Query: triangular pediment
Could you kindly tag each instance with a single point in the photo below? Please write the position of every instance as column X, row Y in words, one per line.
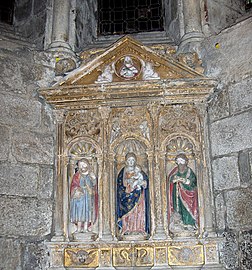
column 127, row 60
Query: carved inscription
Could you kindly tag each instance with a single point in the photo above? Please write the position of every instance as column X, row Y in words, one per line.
column 122, row 256
column 144, row 256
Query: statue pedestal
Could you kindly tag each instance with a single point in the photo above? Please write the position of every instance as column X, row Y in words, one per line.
column 84, row 236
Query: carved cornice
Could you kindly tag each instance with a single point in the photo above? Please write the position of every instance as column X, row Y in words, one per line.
column 129, row 93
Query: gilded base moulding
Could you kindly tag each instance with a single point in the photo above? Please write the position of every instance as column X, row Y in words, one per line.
column 128, row 255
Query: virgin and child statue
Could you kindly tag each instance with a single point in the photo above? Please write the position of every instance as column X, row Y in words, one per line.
column 132, row 211
column 183, row 197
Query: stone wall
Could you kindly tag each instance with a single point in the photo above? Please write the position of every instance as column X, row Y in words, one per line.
column 26, row 157
column 227, row 57
column 86, row 23
column 221, row 14
column 27, row 140
column 30, row 20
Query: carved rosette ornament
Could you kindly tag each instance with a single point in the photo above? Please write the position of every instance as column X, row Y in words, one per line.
column 131, row 137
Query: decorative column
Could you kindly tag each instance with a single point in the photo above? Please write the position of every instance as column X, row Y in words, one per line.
column 207, row 188
column 58, row 218
column 107, row 197
column 60, row 26
column 164, row 191
column 192, row 26
column 65, row 59
column 159, row 225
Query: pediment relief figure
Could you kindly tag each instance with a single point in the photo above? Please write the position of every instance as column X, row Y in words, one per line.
column 128, row 67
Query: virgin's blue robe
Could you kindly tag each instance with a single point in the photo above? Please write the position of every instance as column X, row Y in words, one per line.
column 127, row 201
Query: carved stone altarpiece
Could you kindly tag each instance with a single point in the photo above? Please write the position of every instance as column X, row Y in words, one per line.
column 133, row 191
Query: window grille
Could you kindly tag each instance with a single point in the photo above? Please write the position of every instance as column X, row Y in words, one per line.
column 129, row 16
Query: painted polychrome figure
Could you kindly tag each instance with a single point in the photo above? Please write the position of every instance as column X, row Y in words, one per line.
column 183, row 197
column 83, row 197
column 132, row 213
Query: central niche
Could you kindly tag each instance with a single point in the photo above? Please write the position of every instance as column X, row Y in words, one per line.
column 132, row 191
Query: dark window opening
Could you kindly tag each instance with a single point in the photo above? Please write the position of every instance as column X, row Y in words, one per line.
column 6, row 11
column 129, row 16
column 248, row 4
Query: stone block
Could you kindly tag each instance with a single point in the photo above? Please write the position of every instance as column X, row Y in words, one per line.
column 230, row 61
column 31, row 147
column 245, row 169
column 44, row 67
column 250, row 162
column 219, row 106
column 38, row 30
column 16, row 179
column 220, row 212
column 38, row 6
column 246, row 250
column 23, row 10
column 225, row 173
column 222, row 14
column 25, row 216
column 231, row 134
column 47, row 122
column 10, row 254
column 5, row 142
column 229, row 256
column 16, row 73
column 239, row 208
column 35, row 256
column 240, row 95
column 46, row 182
column 19, row 112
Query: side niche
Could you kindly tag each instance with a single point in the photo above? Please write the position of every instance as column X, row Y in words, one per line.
column 83, row 175
column 182, row 186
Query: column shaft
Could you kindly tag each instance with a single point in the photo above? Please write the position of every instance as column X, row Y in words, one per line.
column 192, row 26
column 192, row 16
column 60, row 27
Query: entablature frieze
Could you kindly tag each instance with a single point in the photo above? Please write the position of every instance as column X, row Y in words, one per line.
column 129, row 94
